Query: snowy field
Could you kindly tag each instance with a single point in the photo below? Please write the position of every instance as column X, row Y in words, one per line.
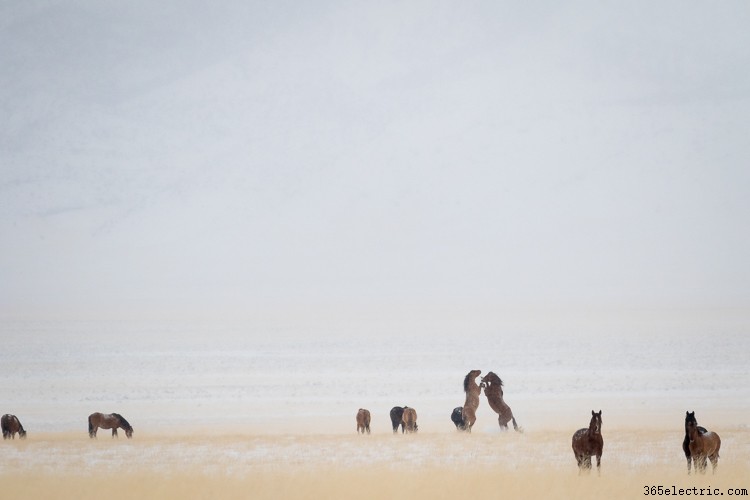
column 252, row 403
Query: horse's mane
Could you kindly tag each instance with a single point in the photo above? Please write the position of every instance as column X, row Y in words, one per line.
column 124, row 423
column 492, row 376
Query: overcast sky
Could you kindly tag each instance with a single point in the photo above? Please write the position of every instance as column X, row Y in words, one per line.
column 188, row 154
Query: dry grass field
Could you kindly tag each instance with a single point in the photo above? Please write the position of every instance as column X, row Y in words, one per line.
column 535, row 464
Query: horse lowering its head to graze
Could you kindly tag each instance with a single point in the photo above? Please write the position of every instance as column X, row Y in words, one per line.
column 457, row 417
column 363, row 421
column 109, row 421
column 702, row 445
column 686, row 441
column 11, row 425
column 589, row 442
column 397, row 413
column 472, row 390
column 493, row 389
column 409, row 418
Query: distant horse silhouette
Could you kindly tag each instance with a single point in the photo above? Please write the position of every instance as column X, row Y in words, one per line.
column 589, row 442
column 109, row 421
column 686, row 441
column 409, row 418
column 702, row 445
column 363, row 421
column 457, row 417
column 472, row 390
column 396, row 418
column 493, row 389
column 11, row 425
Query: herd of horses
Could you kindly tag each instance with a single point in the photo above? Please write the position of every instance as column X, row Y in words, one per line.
column 699, row 445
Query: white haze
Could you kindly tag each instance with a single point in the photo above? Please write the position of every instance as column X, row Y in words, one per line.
column 195, row 156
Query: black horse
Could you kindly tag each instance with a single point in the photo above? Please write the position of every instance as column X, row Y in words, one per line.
column 457, row 417
column 686, row 441
column 397, row 412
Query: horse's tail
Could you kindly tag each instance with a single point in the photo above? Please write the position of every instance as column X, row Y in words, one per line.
column 91, row 427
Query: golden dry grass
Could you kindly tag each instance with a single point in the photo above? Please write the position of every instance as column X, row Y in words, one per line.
column 440, row 465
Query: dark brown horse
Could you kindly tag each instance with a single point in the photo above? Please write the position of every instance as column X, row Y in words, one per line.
column 409, row 418
column 589, row 442
column 363, row 421
column 493, row 389
column 702, row 445
column 472, row 390
column 397, row 413
column 11, row 425
column 686, row 441
column 109, row 421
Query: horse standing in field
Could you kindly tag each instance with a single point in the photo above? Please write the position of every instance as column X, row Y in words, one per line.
column 397, row 413
column 686, row 441
column 589, row 442
column 363, row 421
column 109, row 421
column 11, row 425
column 409, row 419
column 702, row 445
column 493, row 389
column 457, row 417
column 472, row 390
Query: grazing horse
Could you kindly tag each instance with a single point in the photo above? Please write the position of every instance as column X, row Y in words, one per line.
column 493, row 389
column 109, row 421
column 589, row 442
column 457, row 417
column 409, row 419
column 11, row 425
column 363, row 421
column 472, row 390
column 686, row 441
column 396, row 418
column 702, row 445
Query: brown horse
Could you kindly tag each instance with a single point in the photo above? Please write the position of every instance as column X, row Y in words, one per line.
column 397, row 413
column 409, row 418
column 493, row 389
column 11, row 425
column 702, row 445
column 472, row 390
column 589, row 442
column 363, row 421
column 686, row 441
column 109, row 421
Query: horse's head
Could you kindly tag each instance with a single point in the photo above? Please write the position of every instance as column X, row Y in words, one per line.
column 471, row 377
column 491, row 379
column 595, row 425
column 691, row 424
column 22, row 433
column 129, row 432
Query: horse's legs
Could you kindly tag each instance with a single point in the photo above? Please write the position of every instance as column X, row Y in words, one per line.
column 114, row 432
column 714, row 462
column 599, row 464
column 92, row 433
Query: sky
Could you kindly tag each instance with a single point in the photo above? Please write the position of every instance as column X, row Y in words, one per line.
column 188, row 155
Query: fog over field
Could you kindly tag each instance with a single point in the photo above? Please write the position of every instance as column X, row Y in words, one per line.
column 238, row 223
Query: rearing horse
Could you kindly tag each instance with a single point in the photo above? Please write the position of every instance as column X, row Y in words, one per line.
column 109, row 421
column 472, row 390
column 702, row 445
column 493, row 389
